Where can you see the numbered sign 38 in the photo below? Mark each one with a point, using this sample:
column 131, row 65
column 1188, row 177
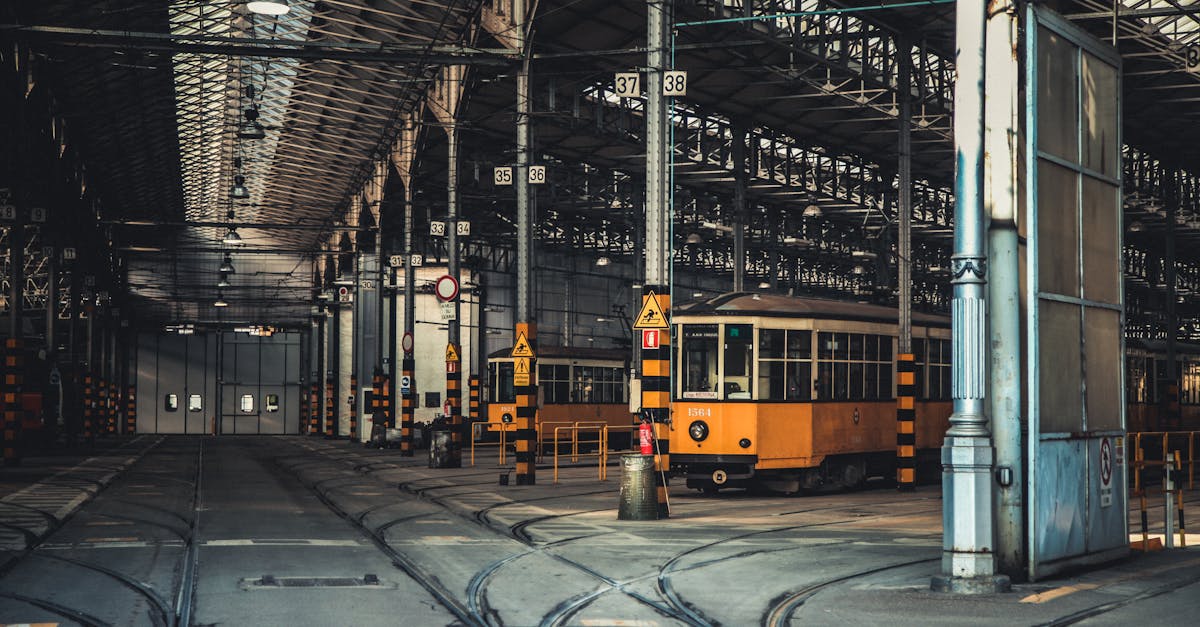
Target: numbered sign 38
column 674, row 83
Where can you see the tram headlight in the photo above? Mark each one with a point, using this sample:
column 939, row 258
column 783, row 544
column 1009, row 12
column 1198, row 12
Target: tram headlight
column 698, row 430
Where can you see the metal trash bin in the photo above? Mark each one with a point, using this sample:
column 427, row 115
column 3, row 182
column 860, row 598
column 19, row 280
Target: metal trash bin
column 639, row 498
column 439, row 449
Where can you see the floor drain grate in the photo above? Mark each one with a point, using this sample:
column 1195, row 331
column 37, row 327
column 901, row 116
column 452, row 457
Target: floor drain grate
column 272, row 582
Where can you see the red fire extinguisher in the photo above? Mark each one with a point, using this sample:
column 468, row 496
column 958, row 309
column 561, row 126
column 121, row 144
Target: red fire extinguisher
column 647, row 438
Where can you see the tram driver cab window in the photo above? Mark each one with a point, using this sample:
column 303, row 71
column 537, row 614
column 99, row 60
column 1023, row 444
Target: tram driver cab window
column 700, row 361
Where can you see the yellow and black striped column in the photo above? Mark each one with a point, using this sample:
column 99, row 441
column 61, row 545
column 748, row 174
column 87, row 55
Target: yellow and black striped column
column 525, row 433
column 473, row 390
column 13, row 375
column 454, row 400
column 352, row 406
column 131, row 409
column 330, row 414
column 906, row 415
column 310, row 422
column 408, row 399
column 107, row 394
column 383, row 395
column 656, row 395
column 89, row 406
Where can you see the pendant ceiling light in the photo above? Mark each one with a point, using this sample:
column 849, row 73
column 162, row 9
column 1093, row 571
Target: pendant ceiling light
column 268, row 7
column 227, row 265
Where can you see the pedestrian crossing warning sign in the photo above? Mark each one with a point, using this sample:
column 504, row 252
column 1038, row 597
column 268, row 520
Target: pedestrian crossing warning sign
column 451, row 353
column 651, row 316
column 522, row 347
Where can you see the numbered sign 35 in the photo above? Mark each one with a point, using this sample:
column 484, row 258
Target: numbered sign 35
column 502, row 176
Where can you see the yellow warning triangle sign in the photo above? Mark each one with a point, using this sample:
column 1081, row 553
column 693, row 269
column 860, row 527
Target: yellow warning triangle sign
column 651, row 316
column 522, row 347
column 522, row 365
column 451, row 353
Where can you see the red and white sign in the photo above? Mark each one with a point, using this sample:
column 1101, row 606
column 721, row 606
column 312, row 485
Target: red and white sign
column 446, row 407
column 451, row 367
column 1106, row 462
column 406, row 342
column 650, row 339
column 446, row 287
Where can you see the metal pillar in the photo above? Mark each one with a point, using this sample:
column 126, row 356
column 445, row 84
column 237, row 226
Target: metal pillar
column 656, row 372
column 741, row 214
column 52, row 306
column 344, row 367
column 322, row 379
column 454, row 326
column 1169, row 388
column 968, row 564
column 408, row 366
column 1004, row 339
column 906, row 392
column 525, row 317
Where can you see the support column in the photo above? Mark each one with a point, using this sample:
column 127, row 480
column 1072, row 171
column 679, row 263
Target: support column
column 1004, row 304
column 344, row 369
column 454, row 325
column 525, row 315
column 408, row 393
column 131, row 409
column 473, row 409
column 324, row 416
column 906, row 392
column 1169, row 387
column 353, row 408
column 14, row 369
column 740, row 210
column 656, row 364
column 968, row 564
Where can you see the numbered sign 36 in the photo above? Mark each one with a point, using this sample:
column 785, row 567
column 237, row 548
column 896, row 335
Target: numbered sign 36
column 537, row 174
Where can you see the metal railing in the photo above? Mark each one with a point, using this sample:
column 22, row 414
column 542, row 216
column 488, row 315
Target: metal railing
column 502, row 443
column 1170, row 458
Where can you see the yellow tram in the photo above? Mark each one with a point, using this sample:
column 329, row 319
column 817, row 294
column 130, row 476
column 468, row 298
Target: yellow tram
column 588, row 386
column 799, row 393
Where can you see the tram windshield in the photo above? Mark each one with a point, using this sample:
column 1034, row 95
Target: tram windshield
column 739, row 360
column 500, row 374
column 700, row 361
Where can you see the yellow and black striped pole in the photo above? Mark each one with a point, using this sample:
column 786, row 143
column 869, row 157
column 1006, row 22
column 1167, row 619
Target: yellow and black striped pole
column 384, row 395
column 656, row 383
column 473, row 391
column 13, row 375
column 352, row 405
column 330, row 414
column 314, row 409
column 906, row 414
column 408, row 396
column 89, row 405
column 131, row 409
column 454, row 403
column 525, row 387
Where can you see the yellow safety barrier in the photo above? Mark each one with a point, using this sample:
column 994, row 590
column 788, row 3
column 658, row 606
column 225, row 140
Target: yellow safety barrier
column 541, row 436
column 575, row 428
column 1171, row 461
column 632, row 429
column 503, row 443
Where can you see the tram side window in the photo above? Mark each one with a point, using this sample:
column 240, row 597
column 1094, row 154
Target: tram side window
column 918, row 348
column 608, row 385
column 938, row 369
column 554, row 383
column 501, row 375
column 853, row 366
column 699, row 360
column 784, row 365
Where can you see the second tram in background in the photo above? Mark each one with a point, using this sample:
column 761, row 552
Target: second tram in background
column 589, row 386
column 798, row 393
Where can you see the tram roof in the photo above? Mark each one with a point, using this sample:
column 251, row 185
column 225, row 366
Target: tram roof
column 782, row 306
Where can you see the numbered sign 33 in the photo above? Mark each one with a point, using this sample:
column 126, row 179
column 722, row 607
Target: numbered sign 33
column 537, row 174
column 674, row 83
column 437, row 228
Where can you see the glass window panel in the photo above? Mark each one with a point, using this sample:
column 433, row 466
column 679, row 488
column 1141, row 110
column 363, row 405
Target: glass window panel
column 856, row 342
column 738, row 354
column 1101, row 152
column 700, row 358
column 825, row 380
column 271, row 403
column 885, row 381
column 799, row 344
column 885, row 348
column 505, row 393
column 825, row 345
column 1058, row 232
column 945, row 390
column 1058, row 107
column 771, row 380
column 171, row 402
column 1103, row 348
column 871, row 384
column 799, row 381
column 918, row 346
column 770, row 343
column 1059, row 368
column 1101, row 254
column 842, row 347
column 195, row 403
column 841, row 387
column 872, row 347
column 246, row 404
column 855, row 381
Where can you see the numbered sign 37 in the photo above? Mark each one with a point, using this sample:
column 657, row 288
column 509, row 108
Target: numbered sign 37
column 627, row 84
